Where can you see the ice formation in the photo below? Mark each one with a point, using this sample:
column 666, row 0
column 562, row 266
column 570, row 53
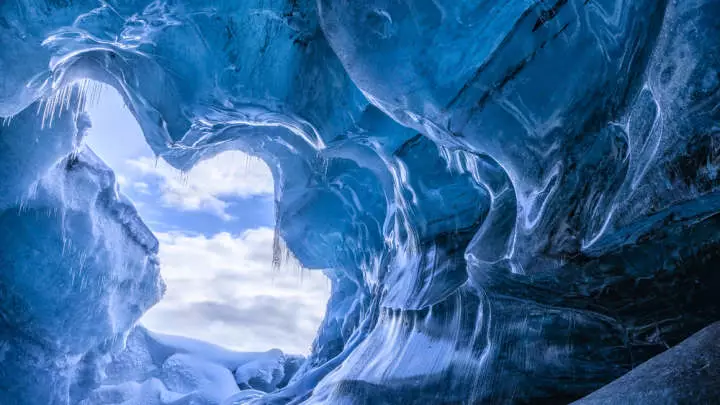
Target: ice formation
column 516, row 201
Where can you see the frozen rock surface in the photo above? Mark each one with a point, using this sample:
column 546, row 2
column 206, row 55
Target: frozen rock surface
column 689, row 373
column 516, row 201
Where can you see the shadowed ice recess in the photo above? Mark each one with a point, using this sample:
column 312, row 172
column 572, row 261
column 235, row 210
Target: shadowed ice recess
column 516, row 202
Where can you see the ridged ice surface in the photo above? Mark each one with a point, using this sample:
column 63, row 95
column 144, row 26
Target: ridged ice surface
column 516, row 201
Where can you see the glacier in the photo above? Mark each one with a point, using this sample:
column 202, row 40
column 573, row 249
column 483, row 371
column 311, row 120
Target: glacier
column 515, row 201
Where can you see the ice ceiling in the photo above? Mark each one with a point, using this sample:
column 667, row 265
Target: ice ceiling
column 516, row 201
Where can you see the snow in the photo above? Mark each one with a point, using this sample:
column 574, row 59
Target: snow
column 163, row 369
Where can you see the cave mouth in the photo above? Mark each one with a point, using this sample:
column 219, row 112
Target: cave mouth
column 215, row 224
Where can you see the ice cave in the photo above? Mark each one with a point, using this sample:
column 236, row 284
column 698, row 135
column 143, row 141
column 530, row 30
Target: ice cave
column 515, row 202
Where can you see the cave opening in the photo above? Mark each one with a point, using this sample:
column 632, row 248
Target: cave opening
column 215, row 224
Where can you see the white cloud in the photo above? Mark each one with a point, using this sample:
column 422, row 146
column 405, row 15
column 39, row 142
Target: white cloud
column 141, row 187
column 223, row 289
column 208, row 185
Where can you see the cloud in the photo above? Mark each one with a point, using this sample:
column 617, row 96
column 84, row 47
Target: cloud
column 208, row 185
column 223, row 289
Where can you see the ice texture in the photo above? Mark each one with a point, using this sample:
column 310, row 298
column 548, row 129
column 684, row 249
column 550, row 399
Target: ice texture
column 167, row 370
column 686, row 374
column 516, row 201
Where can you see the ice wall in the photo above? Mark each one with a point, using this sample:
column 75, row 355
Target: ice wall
column 516, row 201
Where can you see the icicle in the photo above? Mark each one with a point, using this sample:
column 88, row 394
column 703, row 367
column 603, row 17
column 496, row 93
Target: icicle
column 277, row 249
column 87, row 92
column 6, row 121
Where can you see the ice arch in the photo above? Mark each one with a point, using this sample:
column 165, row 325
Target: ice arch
column 490, row 212
column 215, row 227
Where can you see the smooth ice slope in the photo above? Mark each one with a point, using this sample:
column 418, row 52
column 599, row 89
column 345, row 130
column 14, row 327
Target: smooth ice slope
column 686, row 374
column 516, row 201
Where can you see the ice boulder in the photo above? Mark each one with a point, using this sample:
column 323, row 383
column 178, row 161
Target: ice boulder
column 156, row 369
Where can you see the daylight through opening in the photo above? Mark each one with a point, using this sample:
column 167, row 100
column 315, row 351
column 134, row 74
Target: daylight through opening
column 215, row 225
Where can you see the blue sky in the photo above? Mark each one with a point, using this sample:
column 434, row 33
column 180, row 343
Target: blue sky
column 215, row 226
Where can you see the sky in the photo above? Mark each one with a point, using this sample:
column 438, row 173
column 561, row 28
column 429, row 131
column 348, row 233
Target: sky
column 215, row 227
